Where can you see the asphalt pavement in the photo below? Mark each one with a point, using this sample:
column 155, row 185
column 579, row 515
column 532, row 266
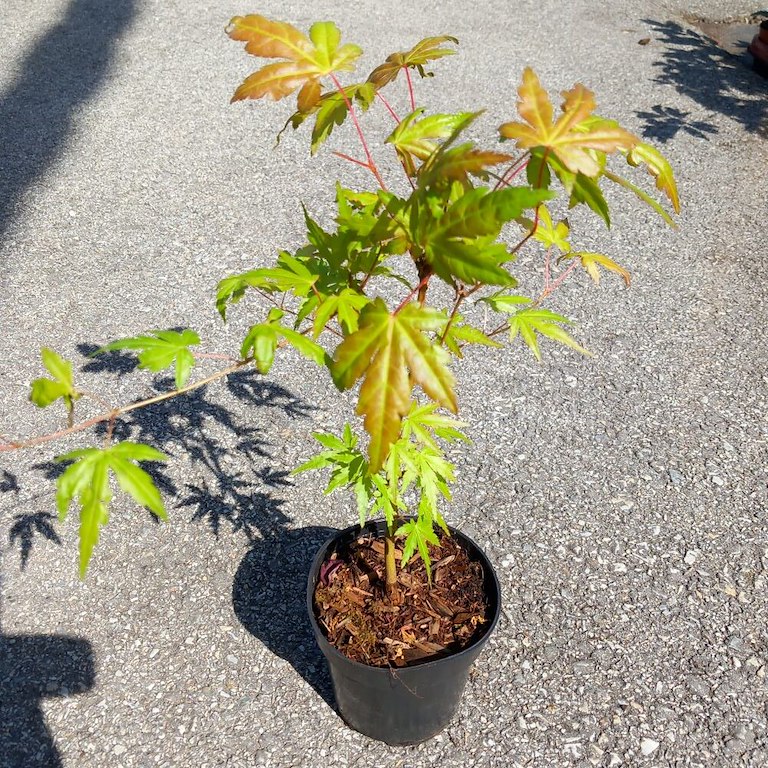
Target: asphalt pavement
column 623, row 498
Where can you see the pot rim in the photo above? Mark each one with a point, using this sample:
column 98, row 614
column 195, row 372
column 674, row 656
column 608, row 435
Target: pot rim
column 489, row 573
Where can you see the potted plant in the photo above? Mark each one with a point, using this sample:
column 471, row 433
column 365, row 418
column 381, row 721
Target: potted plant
column 383, row 299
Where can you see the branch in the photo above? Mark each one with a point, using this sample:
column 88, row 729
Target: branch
column 388, row 106
column 371, row 164
column 410, row 89
column 115, row 412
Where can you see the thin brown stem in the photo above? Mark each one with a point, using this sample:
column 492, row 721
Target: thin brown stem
column 115, row 412
column 462, row 293
column 513, row 169
column 215, row 356
column 110, row 430
column 96, row 398
column 418, row 289
column 390, row 567
column 554, row 285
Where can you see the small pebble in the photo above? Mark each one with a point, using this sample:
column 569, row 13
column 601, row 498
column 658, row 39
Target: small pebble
column 648, row 746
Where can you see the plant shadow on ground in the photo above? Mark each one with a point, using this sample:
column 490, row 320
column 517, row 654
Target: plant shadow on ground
column 64, row 69
column 268, row 602
column 217, row 444
column 716, row 80
column 268, row 595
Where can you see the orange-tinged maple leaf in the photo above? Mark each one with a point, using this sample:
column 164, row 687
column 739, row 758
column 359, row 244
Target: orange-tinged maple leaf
column 564, row 137
column 392, row 354
column 269, row 39
column 308, row 58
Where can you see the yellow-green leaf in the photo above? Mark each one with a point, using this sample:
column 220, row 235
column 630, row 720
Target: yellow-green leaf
column 658, row 166
column 392, row 354
column 590, row 262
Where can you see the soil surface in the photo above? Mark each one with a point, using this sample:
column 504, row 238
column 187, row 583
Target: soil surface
column 430, row 621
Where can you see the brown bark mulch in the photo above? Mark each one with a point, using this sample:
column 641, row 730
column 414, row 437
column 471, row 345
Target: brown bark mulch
column 431, row 621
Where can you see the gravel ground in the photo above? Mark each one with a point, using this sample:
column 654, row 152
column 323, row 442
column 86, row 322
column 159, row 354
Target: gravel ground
column 623, row 498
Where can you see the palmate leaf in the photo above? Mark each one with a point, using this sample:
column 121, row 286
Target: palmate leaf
column 346, row 305
column 419, row 533
column 424, row 51
column 391, row 353
column 564, row 137
column 461, row 244
column 262, row 339
column 45, row 391
column 330, row 110
column 546, row 232
column 290, row 274
column 459, row 163
column 581, row 188
column 591, row 262
column 348, row 465
column 658, row 166
column 425, row 424
column 86, row 480
column 415, row 138
column 460, row 333
column 308, row 58
column 532, row 321
column 161, row 350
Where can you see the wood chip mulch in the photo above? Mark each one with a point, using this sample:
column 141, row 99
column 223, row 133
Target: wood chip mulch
column 430, row 622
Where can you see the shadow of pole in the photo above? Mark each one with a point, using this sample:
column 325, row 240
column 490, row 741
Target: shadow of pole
column 32, row 668
column 268, row 595
column 64, row 69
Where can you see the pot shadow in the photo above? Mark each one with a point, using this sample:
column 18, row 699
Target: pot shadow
column 711, row 77
column 269, row 598
column 33, row 668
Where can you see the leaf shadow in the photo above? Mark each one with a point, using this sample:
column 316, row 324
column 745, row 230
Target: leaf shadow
column 114, row 361
column 9, row 483
column 234, row 502
column 26, row 526
column 709, row 76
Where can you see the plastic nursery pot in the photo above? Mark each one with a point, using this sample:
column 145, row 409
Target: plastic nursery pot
column 403, row 705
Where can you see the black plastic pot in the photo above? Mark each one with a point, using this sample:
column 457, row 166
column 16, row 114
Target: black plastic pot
column 403, row 705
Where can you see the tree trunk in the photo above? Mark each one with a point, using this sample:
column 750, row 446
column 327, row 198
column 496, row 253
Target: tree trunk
column 390, row 566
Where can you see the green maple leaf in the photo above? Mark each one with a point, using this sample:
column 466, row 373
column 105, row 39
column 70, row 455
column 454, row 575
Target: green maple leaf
column 415, row 138
column 419, row 534
column 548, row 233
column 262, row 339
column 426, row 424
column 331, row 110
column 530, row 322
column 305, row 59
column 459, row 163
column 161, row 350
column 391, row 353
column 461, row 243
column 87, row 480
column 46, row 391
column 346, row 305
